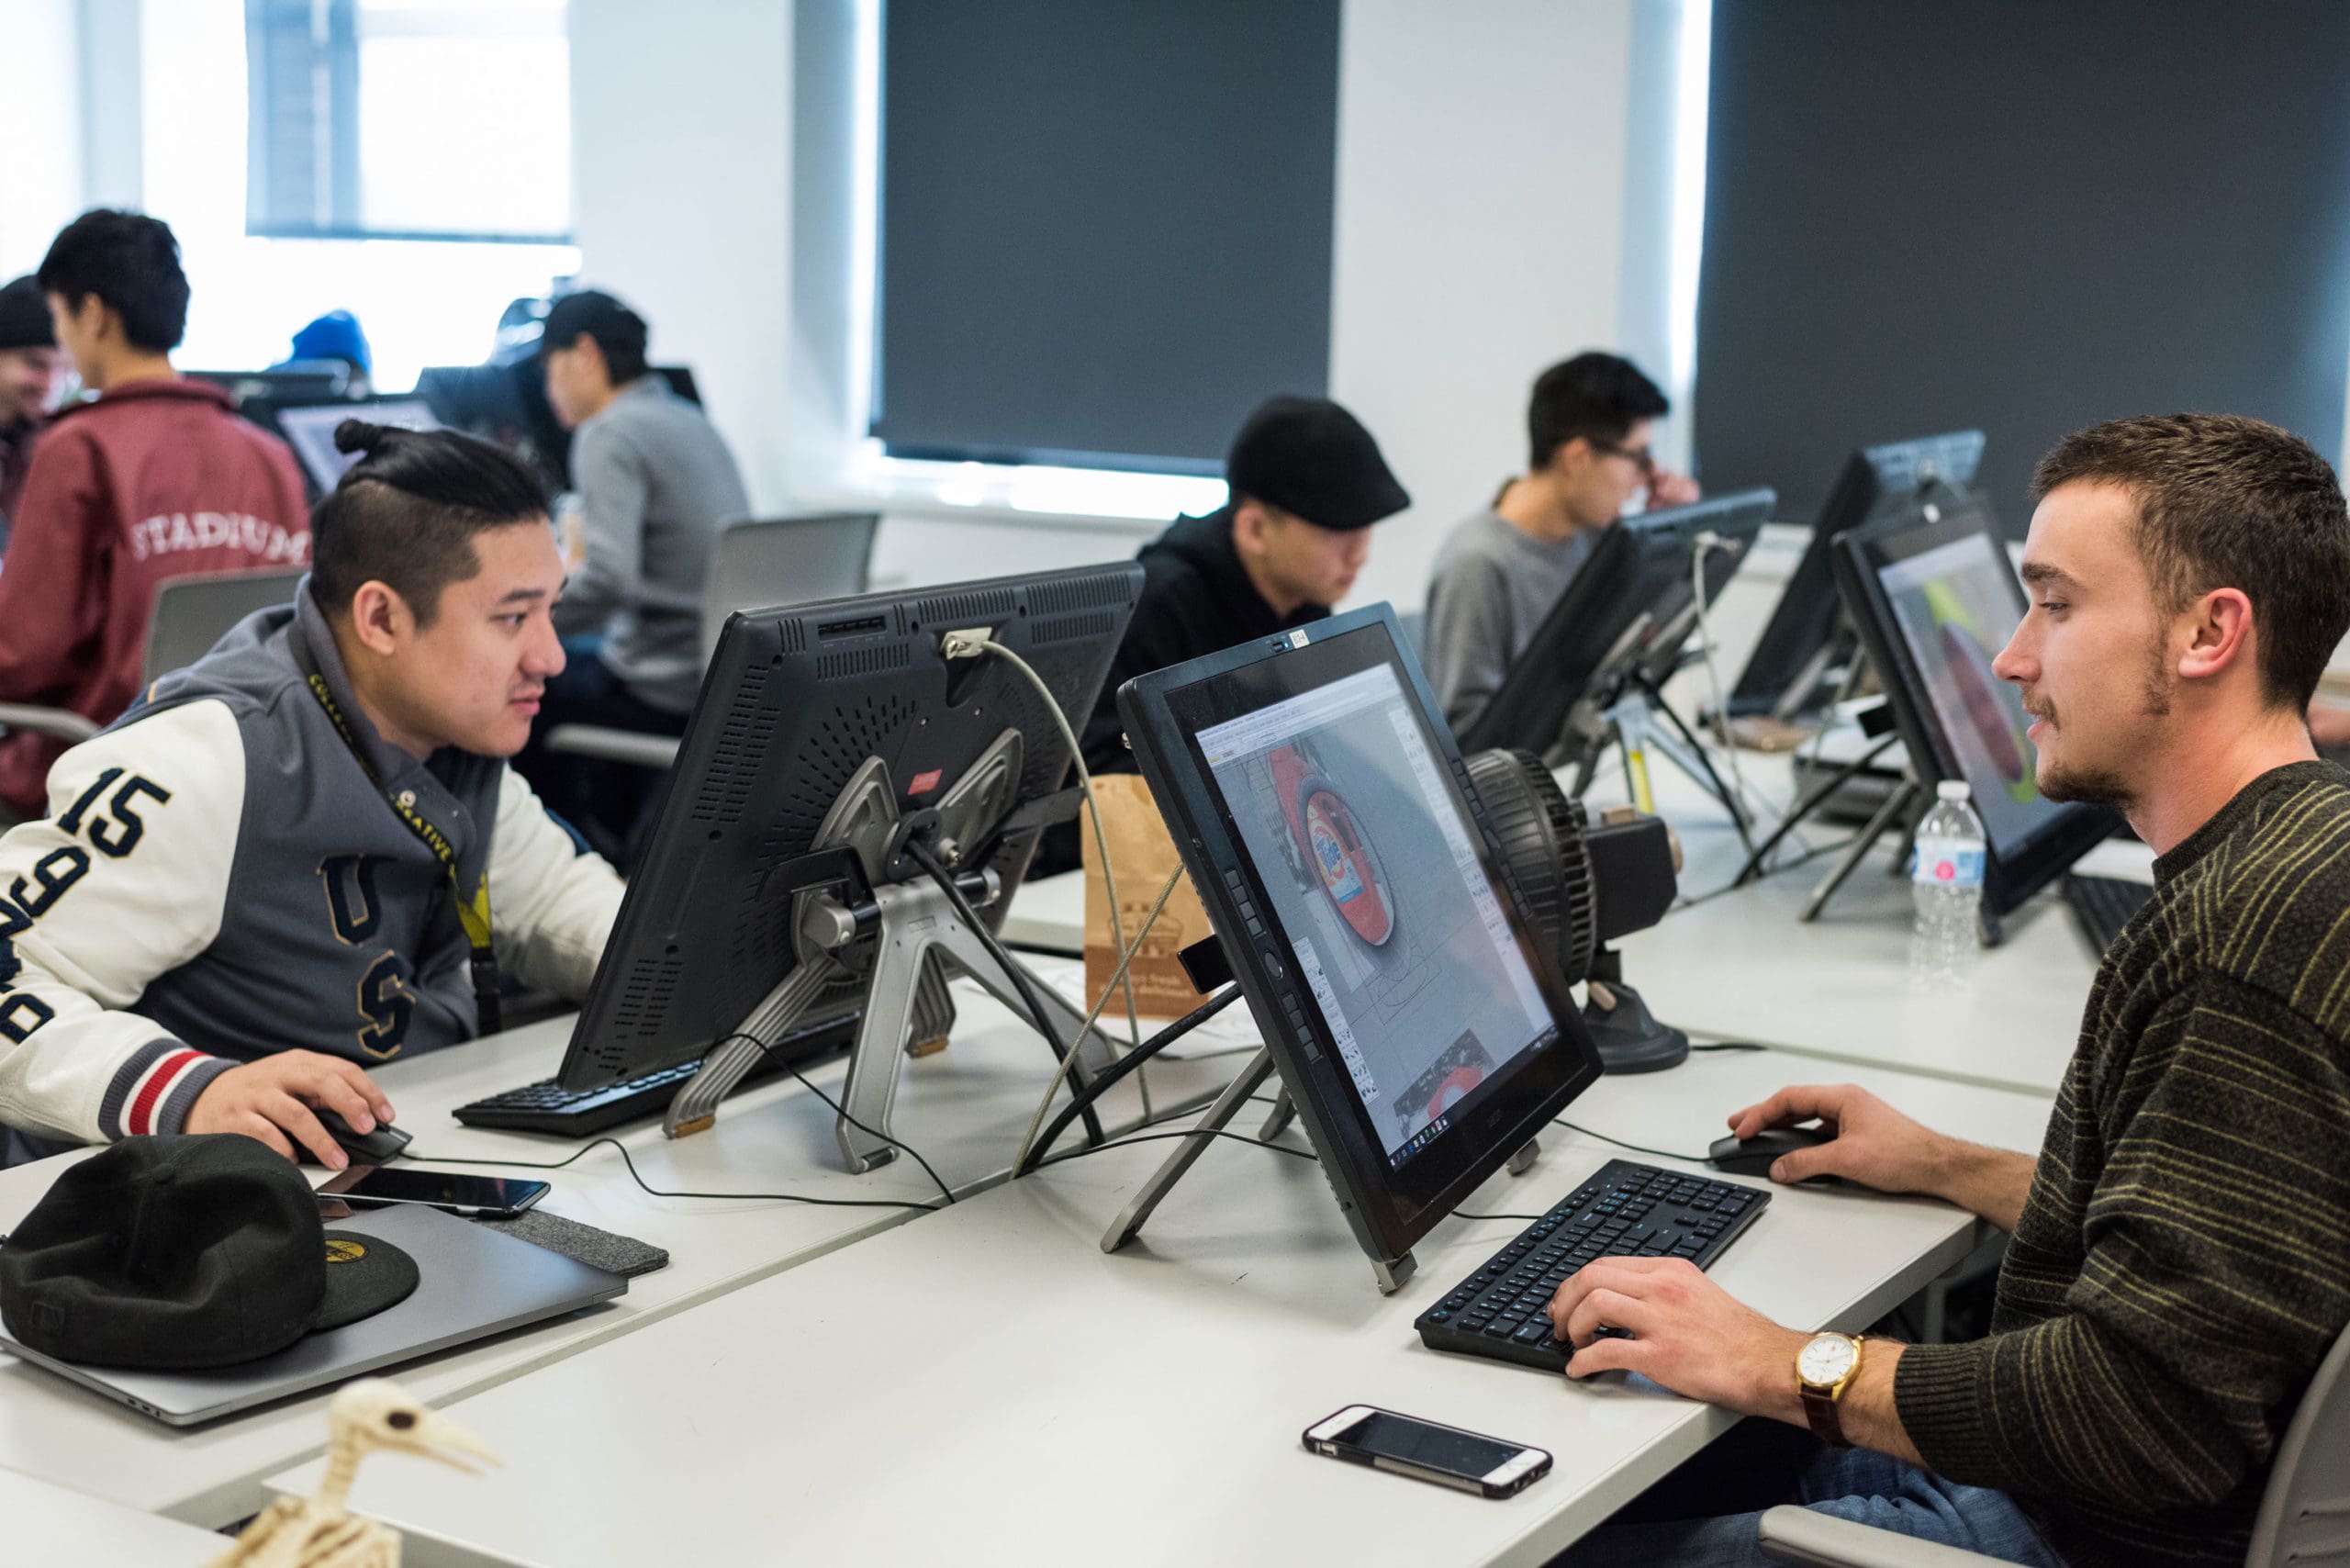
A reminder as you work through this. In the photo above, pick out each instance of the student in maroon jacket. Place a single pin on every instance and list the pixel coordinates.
(158, 478)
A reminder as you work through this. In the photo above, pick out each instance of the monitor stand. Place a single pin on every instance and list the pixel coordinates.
(1630, 1038)
(901, 935)
(1391, 1272)
(1902, 808)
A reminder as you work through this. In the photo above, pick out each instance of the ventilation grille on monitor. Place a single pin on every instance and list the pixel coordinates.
(950, 611)
(1110, 588)
(1079, 623)
(850, 664)
(743, 741)
(646, 996)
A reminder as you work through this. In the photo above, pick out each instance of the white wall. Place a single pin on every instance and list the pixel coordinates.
(41, 179)
(681, 158)
(1479, 238)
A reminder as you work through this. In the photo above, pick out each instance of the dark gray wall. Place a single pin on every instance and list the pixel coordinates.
(2018, 215)
(1106, 228)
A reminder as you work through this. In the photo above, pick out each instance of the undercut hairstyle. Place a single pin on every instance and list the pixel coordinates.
(1599, 396)
(619, 332)
(2230, 502)
(131, 262)
(407, 513)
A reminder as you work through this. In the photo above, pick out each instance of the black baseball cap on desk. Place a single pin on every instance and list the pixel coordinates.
(183, 1254)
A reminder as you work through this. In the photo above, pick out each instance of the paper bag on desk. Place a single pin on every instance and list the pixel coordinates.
(1145, 858)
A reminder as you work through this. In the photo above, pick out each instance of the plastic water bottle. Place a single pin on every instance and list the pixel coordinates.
(1946, 881)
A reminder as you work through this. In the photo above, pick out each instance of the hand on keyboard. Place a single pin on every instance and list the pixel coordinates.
(1686, 1333)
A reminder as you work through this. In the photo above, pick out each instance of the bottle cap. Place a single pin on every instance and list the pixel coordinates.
(1953, 789)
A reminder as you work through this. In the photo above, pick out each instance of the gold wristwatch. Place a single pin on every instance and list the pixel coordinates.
(1825, 1368)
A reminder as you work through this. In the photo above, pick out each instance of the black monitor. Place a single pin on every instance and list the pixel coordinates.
(819, 728)
(1797, 645)
(1934, 597)
(309, 429)
(1627, 612)
(1387, 953)
(297, 381)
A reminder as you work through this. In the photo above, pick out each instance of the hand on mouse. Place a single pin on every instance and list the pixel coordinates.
(271, 1098)
(1872, 1143)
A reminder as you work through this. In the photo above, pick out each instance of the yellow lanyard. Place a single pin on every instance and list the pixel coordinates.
(472, 913)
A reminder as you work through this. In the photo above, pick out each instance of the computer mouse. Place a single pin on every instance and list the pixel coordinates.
(1756, 1155)
(378, 1147)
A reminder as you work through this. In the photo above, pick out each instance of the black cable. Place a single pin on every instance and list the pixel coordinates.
(1012, 971)
(1082, 1100)
(1189, 1132)
(1464, 1214)
(1731, 1045)
(661, 1192)
(1635, 1148)
(766, 1050)
(1804, 808)
(1735, 807)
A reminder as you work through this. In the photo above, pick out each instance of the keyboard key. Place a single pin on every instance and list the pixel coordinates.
(1533, 1333)
(1503, 1328)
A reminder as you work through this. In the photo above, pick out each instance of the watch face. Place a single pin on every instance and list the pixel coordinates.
(1825, 1360)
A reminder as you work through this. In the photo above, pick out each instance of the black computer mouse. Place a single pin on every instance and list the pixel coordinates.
(378, 1147)
(1756, 1155)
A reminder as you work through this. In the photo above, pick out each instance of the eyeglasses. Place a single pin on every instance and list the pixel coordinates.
(1641, 457)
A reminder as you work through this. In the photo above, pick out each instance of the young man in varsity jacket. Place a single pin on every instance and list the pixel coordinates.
(2177, 1266)
(299, 857)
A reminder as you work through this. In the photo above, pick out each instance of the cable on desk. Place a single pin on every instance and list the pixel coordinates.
(1191, 1132)
(1109, 1078)
(806, 1082)
(1012, 971)
(1731, 1046)
(1464, 1214)
(663, 1192)
(1635, 1148)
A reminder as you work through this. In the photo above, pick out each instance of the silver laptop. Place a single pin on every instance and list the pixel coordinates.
(472, 1283)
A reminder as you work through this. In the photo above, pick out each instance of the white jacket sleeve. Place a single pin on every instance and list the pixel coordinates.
(126, 880)
(552, 903)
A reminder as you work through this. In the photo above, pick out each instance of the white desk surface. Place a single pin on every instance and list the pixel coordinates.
(965, 1108)
(987, 1387)
(55, 1526)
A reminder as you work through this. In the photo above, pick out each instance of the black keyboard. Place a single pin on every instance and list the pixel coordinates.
(1501, 1310)
(547, 1107)
(2105, 905)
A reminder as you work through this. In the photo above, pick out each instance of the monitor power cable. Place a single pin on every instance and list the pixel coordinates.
(1035, 1154)
(963, 645)
(1035, 1005)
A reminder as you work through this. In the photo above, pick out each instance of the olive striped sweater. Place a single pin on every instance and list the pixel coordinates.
(2182, 1261)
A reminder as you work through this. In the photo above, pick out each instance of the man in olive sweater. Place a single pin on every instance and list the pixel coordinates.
(2180, 1259)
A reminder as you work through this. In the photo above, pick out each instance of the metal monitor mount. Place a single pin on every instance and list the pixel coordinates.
(867, 915)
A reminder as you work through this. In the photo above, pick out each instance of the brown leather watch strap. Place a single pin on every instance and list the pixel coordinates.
(1827, 1421)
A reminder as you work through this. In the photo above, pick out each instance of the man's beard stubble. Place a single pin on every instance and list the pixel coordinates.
(2102, 786)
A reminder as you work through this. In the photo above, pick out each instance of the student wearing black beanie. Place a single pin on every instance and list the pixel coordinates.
(1307, 482)
(30, 371)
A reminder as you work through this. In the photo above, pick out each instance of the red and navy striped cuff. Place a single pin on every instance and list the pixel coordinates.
(153, 1091)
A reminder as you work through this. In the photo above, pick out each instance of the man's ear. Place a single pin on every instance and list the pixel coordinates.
(380, 618)
(2223, 635)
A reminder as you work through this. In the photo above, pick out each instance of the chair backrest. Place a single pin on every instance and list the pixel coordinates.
(193, 612)
(760, 563)
(2305, 1512)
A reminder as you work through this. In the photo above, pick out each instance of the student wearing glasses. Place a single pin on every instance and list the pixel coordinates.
(1589, 422)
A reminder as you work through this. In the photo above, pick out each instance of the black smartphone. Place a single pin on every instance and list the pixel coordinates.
(496, 1197)
(1364, 1434)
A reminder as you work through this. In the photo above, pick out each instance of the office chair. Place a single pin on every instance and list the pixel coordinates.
(189, 615)
(755, 564)
(2302, 1519)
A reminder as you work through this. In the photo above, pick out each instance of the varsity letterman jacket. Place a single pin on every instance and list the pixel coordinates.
(218, 879)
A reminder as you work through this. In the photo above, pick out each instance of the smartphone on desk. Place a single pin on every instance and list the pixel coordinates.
(473, 1197)
(1448, 1456)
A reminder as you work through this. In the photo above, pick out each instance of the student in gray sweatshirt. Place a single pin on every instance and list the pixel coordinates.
(655, 482)
(1498, 575)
